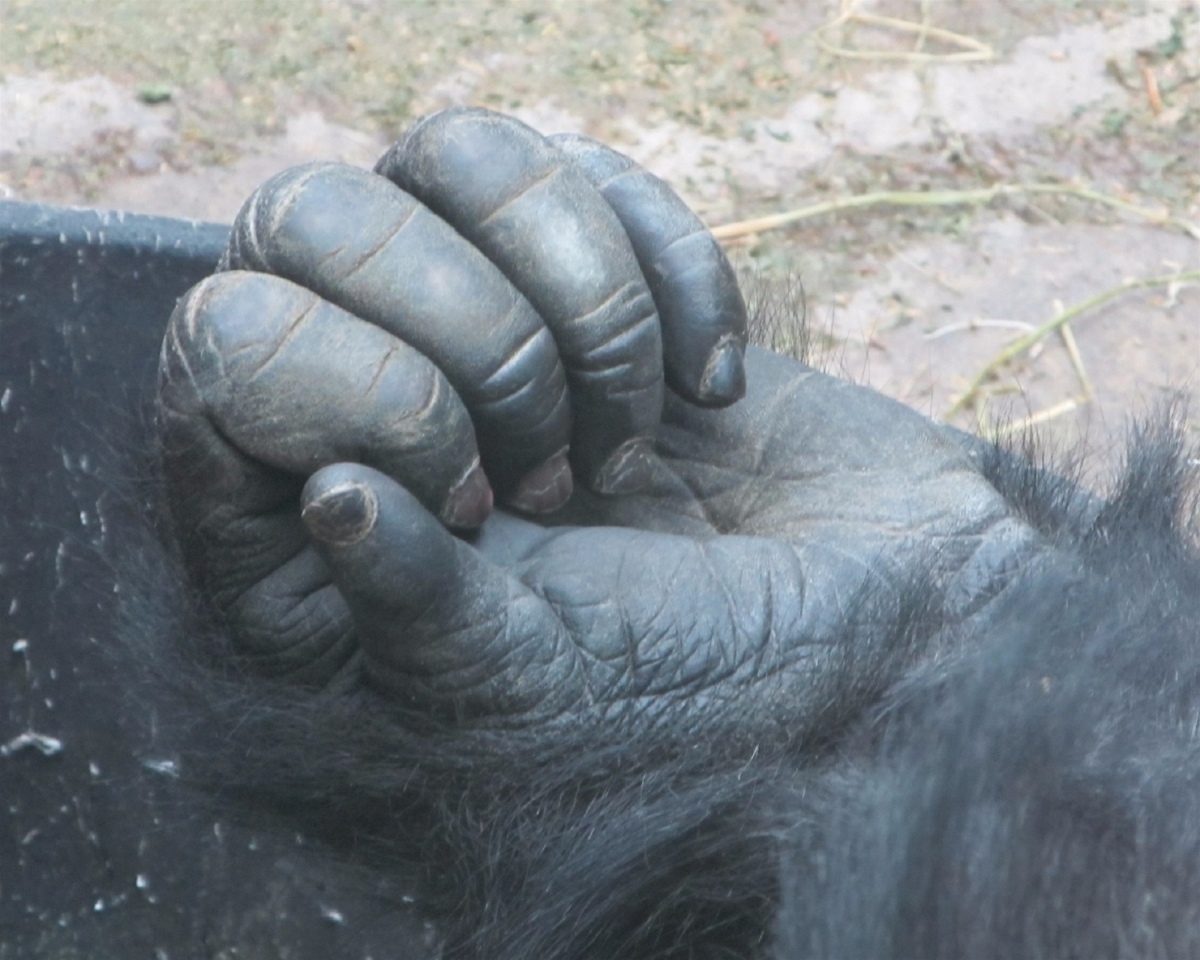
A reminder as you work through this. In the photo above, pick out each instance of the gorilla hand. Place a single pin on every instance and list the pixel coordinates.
(726, 582)
(402, 346)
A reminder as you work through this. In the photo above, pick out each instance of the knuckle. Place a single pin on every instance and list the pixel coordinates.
(425, 408)
(253, 242)
(308, 638)
(229, 326)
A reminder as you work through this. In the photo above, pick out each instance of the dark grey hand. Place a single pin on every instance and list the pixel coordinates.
(372, 331)
(761, 575)
(744, 574)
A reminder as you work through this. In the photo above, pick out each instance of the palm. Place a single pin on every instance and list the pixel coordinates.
(768, 526)
(810, 460)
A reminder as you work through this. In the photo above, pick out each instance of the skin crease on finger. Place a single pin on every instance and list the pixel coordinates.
(403, 269)
(830, 681)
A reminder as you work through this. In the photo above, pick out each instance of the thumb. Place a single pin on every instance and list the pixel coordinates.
(441, 627)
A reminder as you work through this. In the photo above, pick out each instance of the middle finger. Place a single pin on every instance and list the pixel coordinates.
(528, 207)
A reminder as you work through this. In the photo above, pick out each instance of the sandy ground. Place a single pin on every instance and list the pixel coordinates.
(747, 109)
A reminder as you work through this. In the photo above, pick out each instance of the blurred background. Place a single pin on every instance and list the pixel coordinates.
(960, 174)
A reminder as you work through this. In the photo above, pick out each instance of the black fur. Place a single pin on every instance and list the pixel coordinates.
(1038, 798)
(1028, 787)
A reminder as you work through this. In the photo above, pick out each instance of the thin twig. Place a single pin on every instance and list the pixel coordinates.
(1036, 336)
(937, 278)
(973, 49)
(1044, 214)
(849, 8)
(919, 43)
(1042, 416)
(1085, 382)
(979, 324)
(911, 56)
(945, 198)
(1152, 93)
(939, 33)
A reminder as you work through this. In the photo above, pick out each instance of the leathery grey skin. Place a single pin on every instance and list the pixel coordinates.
(355, 240)
(702, 312)
(728, 583)
(531, 211)
(340, 401)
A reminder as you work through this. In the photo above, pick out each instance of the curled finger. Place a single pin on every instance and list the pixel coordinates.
(255, 367)
(534, 214)
(359, 242)
(695, 289)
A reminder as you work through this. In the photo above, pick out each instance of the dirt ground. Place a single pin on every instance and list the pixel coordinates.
(748, 109)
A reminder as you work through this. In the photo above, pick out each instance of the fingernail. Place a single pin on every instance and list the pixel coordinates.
(470, 502)
(343, 515)
(628, 470)
(545, 488)
(724, 377)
